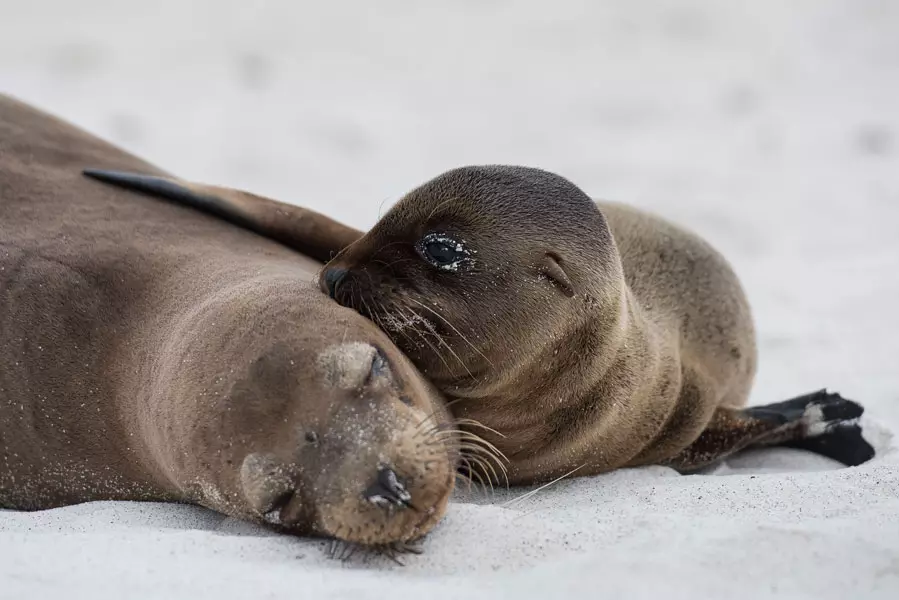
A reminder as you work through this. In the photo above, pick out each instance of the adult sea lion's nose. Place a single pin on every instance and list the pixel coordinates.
(388, 490)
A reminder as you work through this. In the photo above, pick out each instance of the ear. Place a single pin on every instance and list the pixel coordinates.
(301, 229)
(550, 266)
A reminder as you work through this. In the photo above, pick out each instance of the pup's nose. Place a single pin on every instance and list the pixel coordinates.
(331, 279)
(388, 490)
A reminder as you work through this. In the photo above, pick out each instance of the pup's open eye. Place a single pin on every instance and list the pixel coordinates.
(442, 251)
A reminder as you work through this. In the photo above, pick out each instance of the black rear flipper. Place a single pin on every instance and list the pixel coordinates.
(843, 443)
(301, 229)
(834, 408)
(821, 422)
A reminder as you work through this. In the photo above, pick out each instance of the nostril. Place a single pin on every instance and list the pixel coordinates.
(332, 278)
(388, 490)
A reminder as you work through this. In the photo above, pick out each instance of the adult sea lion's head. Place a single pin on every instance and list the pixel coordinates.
(289, 409)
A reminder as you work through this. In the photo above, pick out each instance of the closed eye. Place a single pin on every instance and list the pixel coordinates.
(379, 369)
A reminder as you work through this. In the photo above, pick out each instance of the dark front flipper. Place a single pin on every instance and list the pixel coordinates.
(301, 229)
(819, 422)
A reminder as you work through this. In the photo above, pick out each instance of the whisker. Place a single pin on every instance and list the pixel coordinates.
(366, 306)
(484, 466)
(388, 551)
(480, 479)
(405, 335)
(397, 328)
(542, 487)
(408, 548)
(353, 549)
(385, 246)
(479, 440)
(488, 465)
(435, 426)
(451, 326)
(440, 339)
(470, 473)
(388, 265)
(381, 207)
(472, 450)
(478, 424)
(430, 345)
(339, 549)
(465, 478)
(475, 452)
(468, 441)
(473, 445)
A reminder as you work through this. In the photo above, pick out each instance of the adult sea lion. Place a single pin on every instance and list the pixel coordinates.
(588, 336)
(151, 352)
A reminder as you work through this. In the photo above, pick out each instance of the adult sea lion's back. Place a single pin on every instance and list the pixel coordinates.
(61, 308)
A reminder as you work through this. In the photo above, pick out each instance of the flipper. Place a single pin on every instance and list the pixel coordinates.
(821, 422)
(300, 229)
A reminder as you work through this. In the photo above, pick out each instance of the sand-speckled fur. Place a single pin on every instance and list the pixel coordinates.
(577, 339)
(150, 352)
(625, 368)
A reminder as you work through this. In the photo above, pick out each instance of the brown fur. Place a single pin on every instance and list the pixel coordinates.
(150, 352)
(566, 333)
(590, 339)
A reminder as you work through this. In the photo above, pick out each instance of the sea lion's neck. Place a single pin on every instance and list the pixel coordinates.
(570, 402)
(556, 369)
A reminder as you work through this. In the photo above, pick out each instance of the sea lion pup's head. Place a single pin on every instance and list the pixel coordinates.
(305, 416)
(480, 273)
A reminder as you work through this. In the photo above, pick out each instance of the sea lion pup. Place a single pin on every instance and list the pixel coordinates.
(150, 352)
(588, 336)
(592, 336)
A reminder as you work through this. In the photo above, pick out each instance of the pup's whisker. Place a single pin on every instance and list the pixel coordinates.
(453, 327)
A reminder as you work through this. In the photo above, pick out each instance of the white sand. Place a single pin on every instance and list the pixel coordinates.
(770, 127)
